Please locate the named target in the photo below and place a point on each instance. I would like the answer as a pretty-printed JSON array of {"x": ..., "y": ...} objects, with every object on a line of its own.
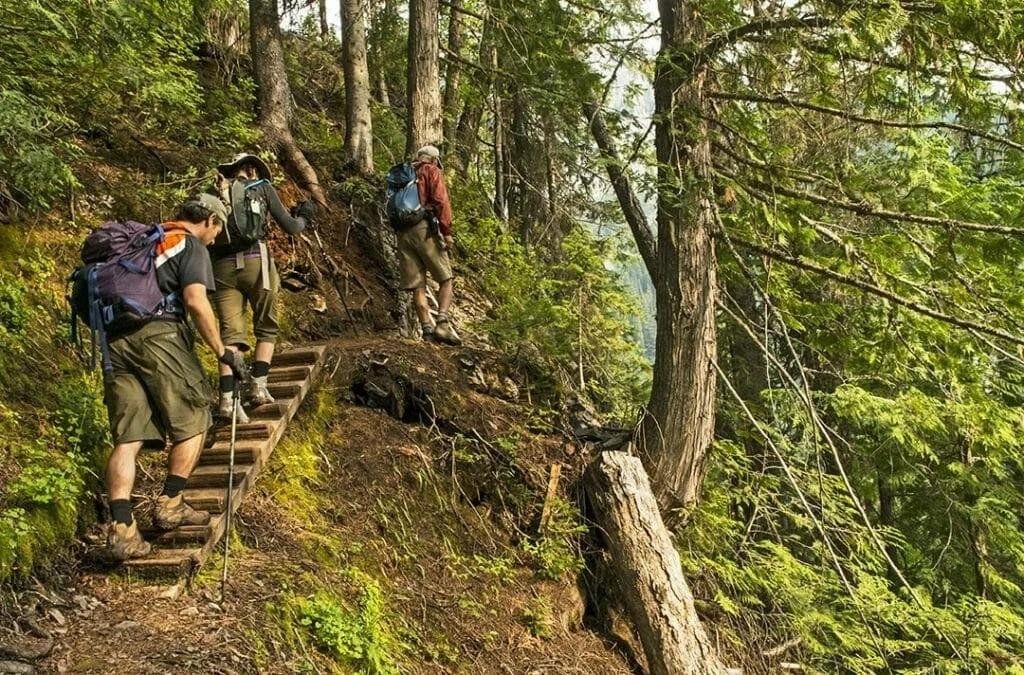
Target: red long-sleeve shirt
[{"x": 434, "y": 194}]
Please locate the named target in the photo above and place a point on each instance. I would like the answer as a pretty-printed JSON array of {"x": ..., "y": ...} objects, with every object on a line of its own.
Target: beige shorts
[
  {"x": 238, "y": 287},
  {"x": 420, "y": 252},
  {"x": 157, "y": 389}
]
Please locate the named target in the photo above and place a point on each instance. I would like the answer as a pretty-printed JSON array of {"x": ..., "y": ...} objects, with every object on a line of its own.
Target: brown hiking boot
[
  {"x": 174, "y": 511},
  {"x": 125, "y": 542},
  {"x": 445, "y": 332}
]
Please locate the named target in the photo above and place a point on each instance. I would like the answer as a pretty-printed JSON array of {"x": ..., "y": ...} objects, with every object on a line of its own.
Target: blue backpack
[
  {"x": 403, "y": 206},
  {"x": 116, "y": 285}
]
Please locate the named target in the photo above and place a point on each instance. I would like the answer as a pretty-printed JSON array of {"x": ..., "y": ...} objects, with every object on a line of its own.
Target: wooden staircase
[{"x": 183, "y": 550}]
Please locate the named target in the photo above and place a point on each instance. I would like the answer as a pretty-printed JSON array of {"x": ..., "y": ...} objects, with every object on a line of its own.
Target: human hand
[
  {"x": 305, "y": 210},
  {"x": 449, "y": 242},
  {"x": 233, "y": 359}
]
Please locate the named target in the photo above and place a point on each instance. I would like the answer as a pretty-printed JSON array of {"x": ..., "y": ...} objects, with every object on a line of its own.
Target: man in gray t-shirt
[{"x": 155, "y": 389}]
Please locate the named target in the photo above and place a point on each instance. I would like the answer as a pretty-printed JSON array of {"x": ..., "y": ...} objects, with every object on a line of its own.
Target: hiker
[
  {"x": 154, "y": 386},
  {"x": 244, "y": 271},
  {"x": 424, "y": 247}
]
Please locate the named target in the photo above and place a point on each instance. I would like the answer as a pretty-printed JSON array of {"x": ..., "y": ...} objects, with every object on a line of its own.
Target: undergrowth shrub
[
  {"x": 569, "y": 311},
  {"x": 354, "y": 629}
]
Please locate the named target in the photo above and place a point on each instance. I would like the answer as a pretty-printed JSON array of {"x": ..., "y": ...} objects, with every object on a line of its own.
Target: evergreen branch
[
  {"x": 804, "y": 389},
  {"x": 720, "y": 41},
  {"x": 782, "y": 99},
  {"x": 865, "y": 209},
  {"x": 904, "y": 66},
  {"x": 802, "y": 263}
]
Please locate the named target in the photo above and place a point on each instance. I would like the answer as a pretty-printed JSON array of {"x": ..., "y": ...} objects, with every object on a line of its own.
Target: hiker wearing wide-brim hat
[
  {"x": 245, "y": 273},
  {"x": 230, "y": 169}
]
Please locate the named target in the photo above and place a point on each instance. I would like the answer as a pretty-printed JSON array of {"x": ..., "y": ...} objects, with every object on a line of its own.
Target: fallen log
[{"x": 646, "y": 568}]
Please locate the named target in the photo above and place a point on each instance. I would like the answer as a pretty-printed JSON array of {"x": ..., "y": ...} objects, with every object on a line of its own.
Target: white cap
[{"x": 429, "y": 151}]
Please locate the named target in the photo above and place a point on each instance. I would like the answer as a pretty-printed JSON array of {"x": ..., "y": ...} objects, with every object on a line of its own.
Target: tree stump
[{"x": 647, "y": 569}]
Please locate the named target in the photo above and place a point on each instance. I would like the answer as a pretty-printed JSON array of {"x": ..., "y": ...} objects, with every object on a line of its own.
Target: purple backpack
[{"x": 116, "y": 286}]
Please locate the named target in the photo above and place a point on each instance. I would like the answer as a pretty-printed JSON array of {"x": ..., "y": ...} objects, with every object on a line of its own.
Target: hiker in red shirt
[{"x": 425, "y": 247}]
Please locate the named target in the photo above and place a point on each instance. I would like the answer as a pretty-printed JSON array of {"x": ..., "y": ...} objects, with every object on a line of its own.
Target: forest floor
[{"x": 438, "y": 513}]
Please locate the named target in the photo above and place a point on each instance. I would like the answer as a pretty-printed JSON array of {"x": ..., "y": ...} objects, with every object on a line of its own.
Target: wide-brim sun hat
[{"x": 229, "y": 169}]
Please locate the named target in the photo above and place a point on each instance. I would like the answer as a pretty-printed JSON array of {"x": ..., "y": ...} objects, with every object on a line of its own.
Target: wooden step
[
  {"x": 298, "y": 357},
  {"x": 208, "y": 499},
  {"x": 167, "y": 560},
  {"x": 186, "y": 534},
  {"x": 293, "y": 374},
  {"x": 281, "y": 390},
  {"x": 215, "y": 476},
  {"x": 175, "y": 553},
  {"x": 271, "y": 411},
  {"x": 251, "y": 431},
  {"x": 221, "y": 454}
]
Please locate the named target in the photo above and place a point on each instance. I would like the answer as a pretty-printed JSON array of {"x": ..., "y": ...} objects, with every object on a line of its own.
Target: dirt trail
[{"x": 436, "y": 513}]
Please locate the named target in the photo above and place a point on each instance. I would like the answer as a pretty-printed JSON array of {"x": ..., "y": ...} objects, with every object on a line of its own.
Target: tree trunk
[
  {"x": 380, "y": 23},
  {"x": 680, "y": 423},
  {"x": 527, "y": 204},
  {"x": 500, "y": 203},
  {"x": 647, "y": 569},
  {"x": 453, "y": 71},
  {"x": 358, "y": 122},
  {"x": 632, "y": 209},
  {"x": 424, "y": 83},
  {"x": 468, "y": 130},
  {"x": 325, "y": 29},
  {"x": 274, "y": 95}
]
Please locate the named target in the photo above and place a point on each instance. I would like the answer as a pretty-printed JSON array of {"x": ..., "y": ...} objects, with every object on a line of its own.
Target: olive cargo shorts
[
  {"x": 235, "y": 287},
  {"x": 419, "y": 252},
  {"x": 157, "y": 389}
]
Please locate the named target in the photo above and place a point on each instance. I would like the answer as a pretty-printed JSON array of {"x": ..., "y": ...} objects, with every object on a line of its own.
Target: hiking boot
[
  {"x": 174, "y": 511},
  {"x": 124, "y": 541},
  {"x": 258, "y": 392},
  {"x": 227, "y": 404},
  {"x": 445, "y": 332}
]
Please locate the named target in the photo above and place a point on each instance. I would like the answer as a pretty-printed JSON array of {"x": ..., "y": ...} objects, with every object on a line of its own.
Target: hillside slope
[{"x": 372, "y": 544}]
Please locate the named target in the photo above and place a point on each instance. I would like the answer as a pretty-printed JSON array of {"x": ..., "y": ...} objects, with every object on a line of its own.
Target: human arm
[
  {"x": 280, "y": 213},
  {"x": 437, "y": 200},
  {"x": 198, "y": 304}
]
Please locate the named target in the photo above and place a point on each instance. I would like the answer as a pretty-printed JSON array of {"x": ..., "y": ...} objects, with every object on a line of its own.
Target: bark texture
[
  {"x": 527, "y": 189},
  {"x": 680, "y": 423},
  {"x": 325, "y": 29},
  {"x": 647, "y": 569},
  {"x": 632, "y": 209},
  {"x": 275, "y": 97},
  {"x": 424, "y": 83},
  {"x": 358, "y": 121},
  {"x": 468, "y": 130},
  {"x": 453, "y": 70}
]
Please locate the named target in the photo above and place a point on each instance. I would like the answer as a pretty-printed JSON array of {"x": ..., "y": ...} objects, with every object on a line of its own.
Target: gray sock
[{"x": 428, "y": 328}]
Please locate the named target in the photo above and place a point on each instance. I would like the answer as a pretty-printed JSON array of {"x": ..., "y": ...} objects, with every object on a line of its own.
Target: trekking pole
[{"x": 231, "y": 488}]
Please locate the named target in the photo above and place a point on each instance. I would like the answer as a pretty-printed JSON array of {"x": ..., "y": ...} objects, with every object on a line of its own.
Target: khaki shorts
[
  {"x": 420, "y": 252},
  {"x": 157, "y": 389},
  {"x": 235, "y": 288}
]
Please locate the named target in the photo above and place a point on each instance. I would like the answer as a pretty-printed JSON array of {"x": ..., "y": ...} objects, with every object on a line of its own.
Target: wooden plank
[
  {"x": 549, "y": 499},
  {"x": 299, "y": 357},
  {"x": 216, "y": 475},
  {"x": 284, "y": 389},
  {"x": 274, "y": 418},
  {"x": 244, "y": 432},
  {"x": 295, "y": 374},
  {"x": 222, "y": 455}
]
